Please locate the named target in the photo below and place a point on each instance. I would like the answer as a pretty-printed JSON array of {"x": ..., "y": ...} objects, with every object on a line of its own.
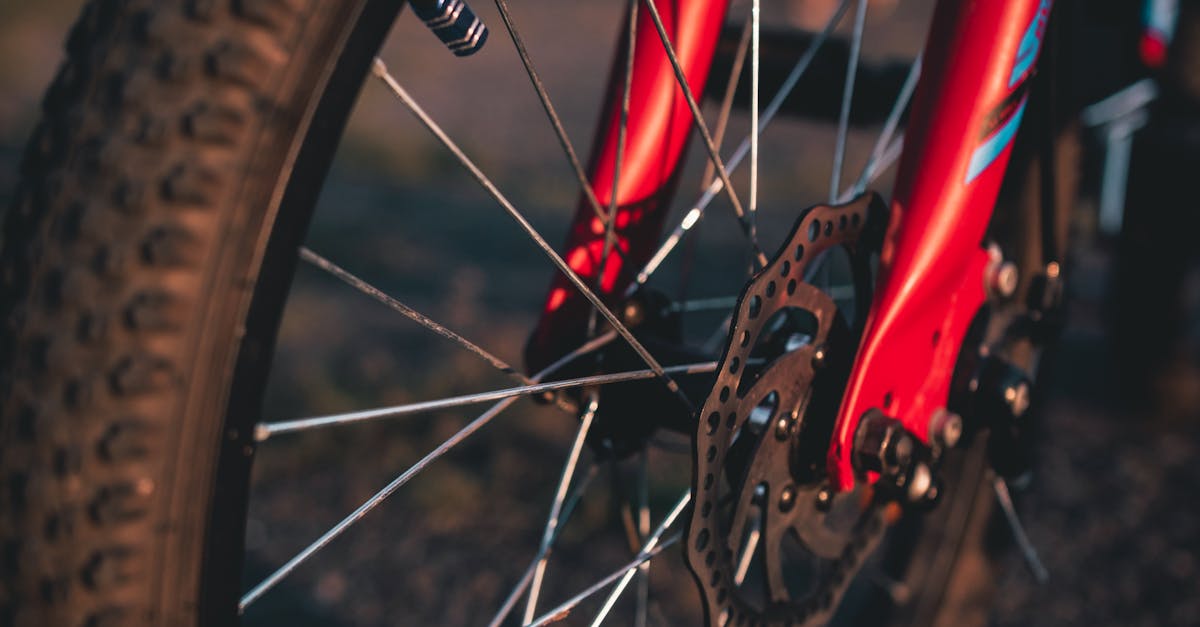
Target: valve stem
[{"x": 454, "y": 23}]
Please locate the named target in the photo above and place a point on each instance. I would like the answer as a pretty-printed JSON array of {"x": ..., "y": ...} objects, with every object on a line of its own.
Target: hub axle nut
[{"x": 882, "y": 445}]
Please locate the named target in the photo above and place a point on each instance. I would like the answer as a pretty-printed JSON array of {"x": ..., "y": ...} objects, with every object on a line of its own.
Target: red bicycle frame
[{"x": 965, "y": 113}]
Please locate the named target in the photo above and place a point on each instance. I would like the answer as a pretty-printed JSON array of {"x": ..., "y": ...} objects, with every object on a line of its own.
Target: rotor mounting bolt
[
  {"x": 787, "y": 499},
  {"x": 782, "y": 428},
  {"x": 1016, "y": 396},
  {"x": 824, "y": 499}
]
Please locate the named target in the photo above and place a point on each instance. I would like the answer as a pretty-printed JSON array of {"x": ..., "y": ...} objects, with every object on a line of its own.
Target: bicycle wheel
[{"x": 145, "y": 267}]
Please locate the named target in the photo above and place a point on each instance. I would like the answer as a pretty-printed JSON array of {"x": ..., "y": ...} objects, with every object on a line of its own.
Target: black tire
[{"x": 143, "y": 271}]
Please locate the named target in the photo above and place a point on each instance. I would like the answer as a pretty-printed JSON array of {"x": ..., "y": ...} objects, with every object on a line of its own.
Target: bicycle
[{"x": 163, "y": 213}]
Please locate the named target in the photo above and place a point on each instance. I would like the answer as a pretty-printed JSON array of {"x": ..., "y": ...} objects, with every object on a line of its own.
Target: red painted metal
[
  {"x": 933, "y": 264},
  {"x": 931, "y": 286},
  {"x": 659, "y": 127}
]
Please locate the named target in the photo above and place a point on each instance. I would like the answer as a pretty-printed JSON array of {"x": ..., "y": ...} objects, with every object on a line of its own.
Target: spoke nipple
[
  {"x": 824, "y": 499},
  {"x": 261, "y": 432},
  {"x": 379, "y": 69}
]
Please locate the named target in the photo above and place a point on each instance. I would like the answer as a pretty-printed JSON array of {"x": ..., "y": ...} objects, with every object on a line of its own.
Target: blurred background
[{"x": 1113, "y": 508}]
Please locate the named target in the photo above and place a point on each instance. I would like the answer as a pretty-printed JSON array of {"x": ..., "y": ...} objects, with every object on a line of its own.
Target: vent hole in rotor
[
  {"x": 786, "y": 331},
  {"x": 755, "y": 306},
  {"x": 762, "y": 413}
]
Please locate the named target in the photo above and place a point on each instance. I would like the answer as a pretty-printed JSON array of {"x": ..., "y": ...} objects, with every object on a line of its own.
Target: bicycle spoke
[
  {"x": 643, "y": 598},
  {"x": 652, "y": 547},
  {"x": 748, "y": 550},
  {"x": 887, "y": 143},
  {"x": 893, "y": 119},
  {"x": 768, "y": 114},
  {"x": 551, "y": 528},
  {"x": 889, "y": 156},
  {"x": 357, "y": 283},
  {"x": 719, "y": 303},
  {"x": 564, "y": 610},
  {"x": 636, "y": 525},
  {"x": 381, "y": 71},
  {"x": 698, "y": 119},
  {"x": 379, "y": 497},
  {"x": 735, "y": 75},
  {"x": 839, "y": 154},
  {"x": 265, "y": 430},
  {"x": 619, "y": 158},
  {"x": 552, "y": 114},
  {"x": 755, "y": 62},
  {"x": 718, "y": 336},
  {"x": 527, "y": 577}
]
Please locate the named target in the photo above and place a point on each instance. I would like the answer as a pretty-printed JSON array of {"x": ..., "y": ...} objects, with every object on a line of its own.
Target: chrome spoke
[
  {"x": 755, "y": 62},
  {"x": 370, "y": 290},
  {"x": 381, "y": 71},
  {"x": 371, "y": 503},
  {"x": 379, "y": 497},
  {"x": 643, "y": 598},
  {"x": 265, "y": 430},
  {"x": 564, "y": 610},
  {"x": 839, "y": 154},
  {"x": 560, "y": 494},
  {"x": 888, "y": 144},
  {"x": 652, "y": 547},
  {"x": 1032, "y": 560},
  {"x": 748, "y": 550},
  {"x": 619, "y": 159},
  {"x": 698, "y": 119},
  {"x": 768, "y": 114},
  {"x": 718, "y": 303},
  {"x": 890, "y": 155},
  {"x": 527, "y": 577},
  {"x": 551, "y": 113},
  {"x": 893, "y": 119},
  {"x": 735, "y": 75},
  {"x": 718, "y": 336}
]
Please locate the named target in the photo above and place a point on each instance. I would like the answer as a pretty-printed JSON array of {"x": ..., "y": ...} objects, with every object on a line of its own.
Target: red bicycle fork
[{"x": 932, "y": 282}]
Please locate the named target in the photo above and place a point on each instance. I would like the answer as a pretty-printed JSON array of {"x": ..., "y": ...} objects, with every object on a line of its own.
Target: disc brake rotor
[{"x": 759, "y": 455}]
